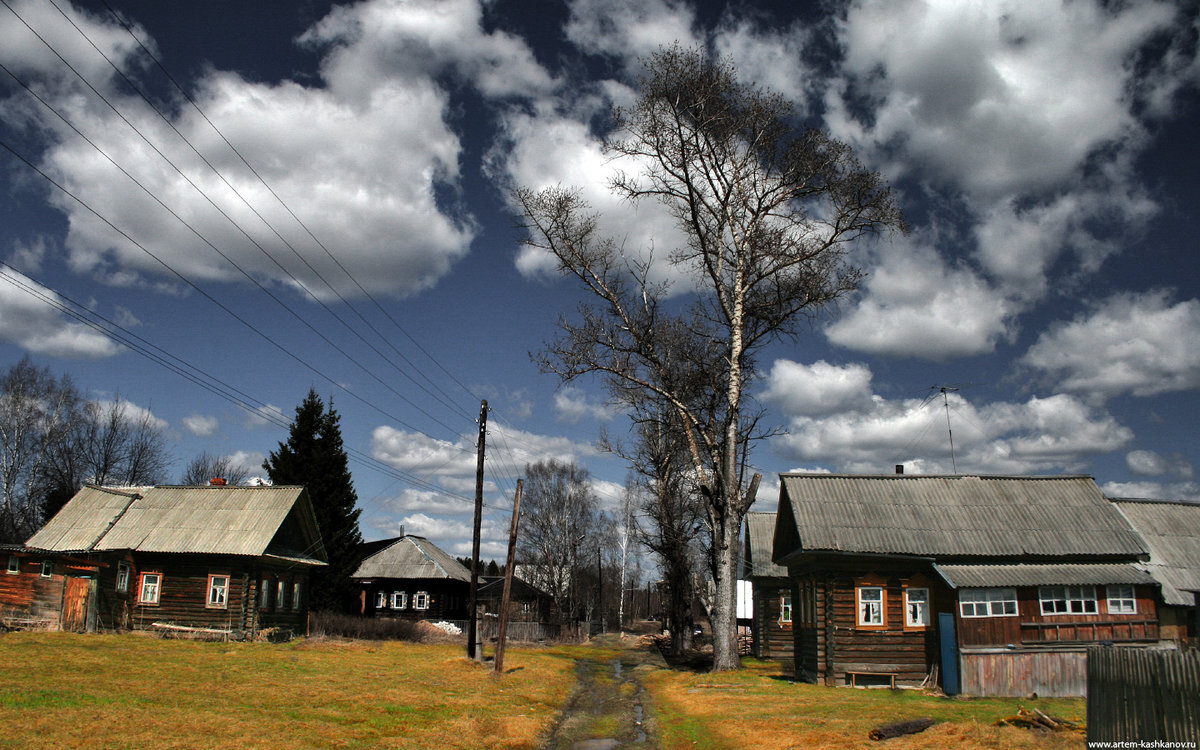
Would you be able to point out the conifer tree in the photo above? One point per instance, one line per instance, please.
(315, 457)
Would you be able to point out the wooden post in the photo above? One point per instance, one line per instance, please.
(508, 576)
(474, 647)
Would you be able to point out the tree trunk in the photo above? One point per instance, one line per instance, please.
(724, 609)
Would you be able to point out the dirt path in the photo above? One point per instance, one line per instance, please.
(608, 707)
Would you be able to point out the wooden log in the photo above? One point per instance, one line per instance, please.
(900, 728)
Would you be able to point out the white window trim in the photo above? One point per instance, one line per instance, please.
(909, 621)
(281, 594)
(47, 568)
(1071, 597)
(421, 600)
(14, 565)
(399, 600)
(786, 613)
(123, 573)
(156, 587)
(993, 601)
(868, 620)
(1116, 603)
(381, 600)
(221, 592)
(296, 596)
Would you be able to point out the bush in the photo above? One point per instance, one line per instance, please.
(335, 624)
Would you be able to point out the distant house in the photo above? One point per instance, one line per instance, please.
(217, 559)
(414, 579)
(989, 585)
(1172, 532)
(526, 602)
(771, 592)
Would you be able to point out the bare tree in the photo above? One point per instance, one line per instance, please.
(768, 213)
(206, 466)
(36, 411)
(560, 524)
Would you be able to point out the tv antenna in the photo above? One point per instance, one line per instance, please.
(946, 403)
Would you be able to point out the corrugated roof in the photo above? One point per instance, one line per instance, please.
(224, 520)
(1172, 532)
(412, 557)
(760, 536)
(956, 516)
(977, 576)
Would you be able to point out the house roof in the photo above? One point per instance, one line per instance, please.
(981, 517)
(272, 521)
(412, 557)
(1172, 532)
(1073, 574)
(760, 536)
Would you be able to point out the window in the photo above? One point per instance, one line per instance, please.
(122, 576)
(916, 607)
(381, 599)
(218, 591)
(988, 602)
(785, 609)
(1121, 600)
(1068, 600)
(47, 568)
(399, 599)
(421, 600)
(265, 594)
(296, 596)
(150, 588)
(14, 564)
(870, 606)
(281, 595)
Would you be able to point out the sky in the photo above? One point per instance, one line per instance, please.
(209, 208)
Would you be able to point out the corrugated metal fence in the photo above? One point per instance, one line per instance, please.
(1143, 696)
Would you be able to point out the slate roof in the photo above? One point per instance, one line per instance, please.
(1172, 532)
(1060, 574)
(981, 517)
(272, 521)
(760, 540)
(412, 557)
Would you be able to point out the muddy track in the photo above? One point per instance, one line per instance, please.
(608, 708)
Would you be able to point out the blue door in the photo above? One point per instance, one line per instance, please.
(950, 684)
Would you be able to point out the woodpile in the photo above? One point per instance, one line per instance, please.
(1038, 721)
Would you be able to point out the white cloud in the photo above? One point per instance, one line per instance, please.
(630, 29)
(251, 461)
(32, 321)
(817, 389)
(428, 501)
(1151, 464)
(1185, 491)
(1137, 344)
(132, 411)
(573, 404)
(200, 425)
(269, 415)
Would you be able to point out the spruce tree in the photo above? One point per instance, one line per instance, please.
(314, 457)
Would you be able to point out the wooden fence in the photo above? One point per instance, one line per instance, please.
(1143, 696)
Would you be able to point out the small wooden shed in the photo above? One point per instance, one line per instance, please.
(771, 592)
(221, 560)
(412, 578)
(988, 585)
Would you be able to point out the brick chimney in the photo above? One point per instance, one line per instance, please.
(217, 481)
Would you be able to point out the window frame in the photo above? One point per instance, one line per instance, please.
(264, 595)
(925, 607)
(223, 591)
(1074, 600)
(281, 594)
(381, 600)
(157, 587)
(859, 609)
(124, 571)
(421, 600)
(1110, 598)
(991, 597)
(401, 597)
(47, 570)
(296, 596)
(785, 609)
(14, 565)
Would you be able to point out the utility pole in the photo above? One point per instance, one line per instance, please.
(502, 634)
(474, 647)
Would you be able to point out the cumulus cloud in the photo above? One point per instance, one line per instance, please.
(573, 404)
(1185, 491)
(818, 389)
(33, 322)
(630, 29)
(200, 425)
(872, 434)
(1145, 342)
(1151, 464)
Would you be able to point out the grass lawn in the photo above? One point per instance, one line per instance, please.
(759, 707)
(136, 691)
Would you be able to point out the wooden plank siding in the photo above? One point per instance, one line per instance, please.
(449, 599)
(29, 599)
(1061, 673)
(773, 638)
(1031, 627)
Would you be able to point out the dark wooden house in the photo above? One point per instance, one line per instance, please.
(771, 592)
(1172, 533)
(988, 585)
(228, 561)
(414, 579)
(526, 602)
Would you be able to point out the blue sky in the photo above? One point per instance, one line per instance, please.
(360, 239)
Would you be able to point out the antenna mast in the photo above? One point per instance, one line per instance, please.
(946, 402)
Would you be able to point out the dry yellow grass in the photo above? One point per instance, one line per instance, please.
(113, 691)
(758, 707)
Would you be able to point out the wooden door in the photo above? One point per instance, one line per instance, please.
(74, 607)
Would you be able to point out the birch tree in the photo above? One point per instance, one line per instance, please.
(769, 213)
